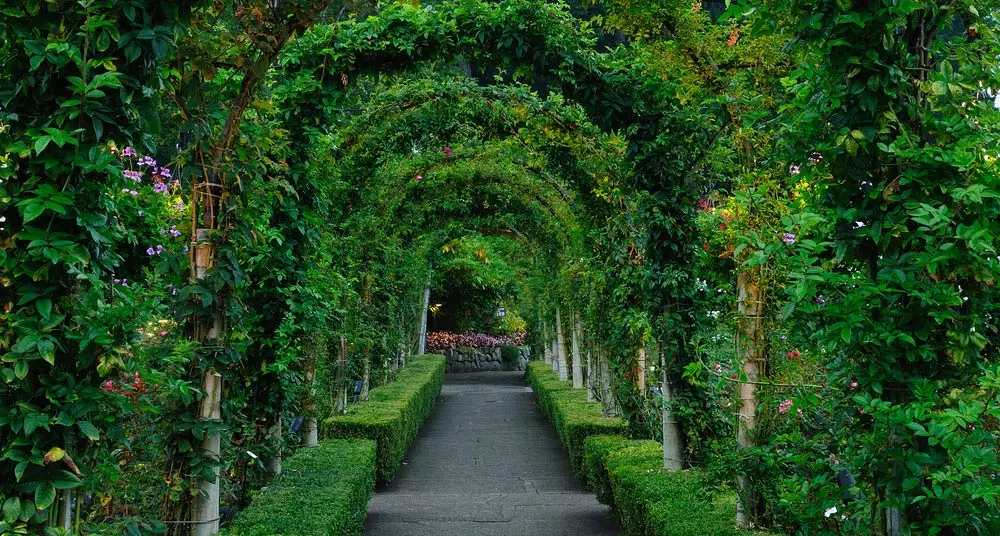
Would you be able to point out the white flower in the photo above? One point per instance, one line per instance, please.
(830, 511)
(254, 456)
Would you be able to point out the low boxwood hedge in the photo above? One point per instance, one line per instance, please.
(393, 413)
(574, 418)
(322, 491)
(629, 476)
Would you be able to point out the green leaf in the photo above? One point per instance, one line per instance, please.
(30, 211)
(11, 510)
(27, 509)
(45, 495)
(33, 421)
(21, 369)
(48, 351)
(66, 480)
(41, 143)
(89, 430)
(44, 307)
(19, 470)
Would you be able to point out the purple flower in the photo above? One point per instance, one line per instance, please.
(124, 190)
(159, 249)
(179, 205)
(820, 299)
(134, 175)
(129, 151)
(160, 187)
(147, 161)
(164, 172)
(134, 193)
(185, 249)
(794, 170)
(150, 251)
(174, 232)
(788, 239)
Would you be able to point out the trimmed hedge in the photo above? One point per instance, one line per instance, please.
(574, 418)
(629, 476)
(322, 491)
(393, 413)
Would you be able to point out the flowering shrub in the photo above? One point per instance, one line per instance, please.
(440, 340)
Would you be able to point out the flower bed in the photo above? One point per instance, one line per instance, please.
(442, 340)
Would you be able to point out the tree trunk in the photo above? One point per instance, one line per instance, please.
(749, 306)
(561, 350)
(422, 344)
(673, 448)
(577, 358)
(366, 376)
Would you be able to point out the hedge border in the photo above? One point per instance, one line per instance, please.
(567, 409)
(393, 413)
(322, 491)
(628, 475)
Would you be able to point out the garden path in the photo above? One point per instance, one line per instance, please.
(487, 463)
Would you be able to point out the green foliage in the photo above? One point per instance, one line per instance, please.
(393, 413)
(574, 418)
(649, 500)
(323, 491)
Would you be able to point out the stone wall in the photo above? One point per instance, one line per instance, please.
(482, 359)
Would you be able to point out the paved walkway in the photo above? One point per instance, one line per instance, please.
(487, 463)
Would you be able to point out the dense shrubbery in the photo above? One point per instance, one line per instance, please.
(441, 340)
(393, 413)
(323, 491)
(573, 417)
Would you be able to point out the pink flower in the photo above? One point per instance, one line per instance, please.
(785, 406)
(854, 385)
(447, 151)
(163, 333)
(108, 385)
(718, 368)
(420, 177)
(794, 170)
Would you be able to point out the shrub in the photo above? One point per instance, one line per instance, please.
(323, 491)
(650, 500)
(595, 449)
(511, 356)
(573, 417)
(393, 413)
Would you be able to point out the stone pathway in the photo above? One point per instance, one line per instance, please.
(487, 463)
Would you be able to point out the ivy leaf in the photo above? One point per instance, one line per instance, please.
(45, 495)
(89, 430)
(43, 141)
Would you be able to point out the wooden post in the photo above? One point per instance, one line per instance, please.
(749, 306)
(577, 358)
(590, 374)
(422, 344)
(640, 372)
(313, 349)
(561, 341)
(673, 448)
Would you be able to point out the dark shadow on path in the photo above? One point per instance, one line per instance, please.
(487, 463)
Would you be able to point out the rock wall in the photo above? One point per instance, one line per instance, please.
(482, 359)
